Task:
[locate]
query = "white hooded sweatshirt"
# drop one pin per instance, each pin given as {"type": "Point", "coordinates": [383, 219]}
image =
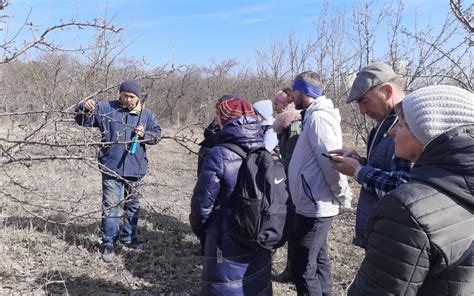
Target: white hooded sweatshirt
{"type": "Point", "coordinates": [317, 190]}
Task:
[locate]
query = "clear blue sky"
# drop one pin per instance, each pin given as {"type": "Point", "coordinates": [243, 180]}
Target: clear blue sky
{"type": "Point", "coordinates": [196, 31]}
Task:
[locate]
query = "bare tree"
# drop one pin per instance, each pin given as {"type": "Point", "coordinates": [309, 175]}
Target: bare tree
{"type": "Point", "coordinates": [368, 17]}
{"type": "Point", "coordinates": [299, 54]}
{"type": "Point", "coordinates": [38, 97]}
{"type": "Point", "coordinates": [377, 31]}
{"type": "Point", "coordinates": [48, 87]}
{"type": "Point", "coordinates": [466, 17]}
{"type": "Point", "coordinates": [40, 41]}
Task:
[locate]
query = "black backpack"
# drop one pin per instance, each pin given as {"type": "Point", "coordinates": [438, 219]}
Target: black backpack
{"type": "Point", "coordinates": [261, 200]}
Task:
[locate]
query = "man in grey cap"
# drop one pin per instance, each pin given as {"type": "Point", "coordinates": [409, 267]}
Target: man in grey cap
{"type": "Point", "coordinates": [376, 89]}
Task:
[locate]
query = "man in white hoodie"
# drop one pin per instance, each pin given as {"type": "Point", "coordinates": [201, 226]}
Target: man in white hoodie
{"type": "Point", "coordinates": [316, 188]}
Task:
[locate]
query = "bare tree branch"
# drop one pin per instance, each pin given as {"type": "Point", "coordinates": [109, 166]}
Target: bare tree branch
{"type": "Point", "coordinates": [465, 17]}
{"type": "Point", "coordinates": [41, 40]}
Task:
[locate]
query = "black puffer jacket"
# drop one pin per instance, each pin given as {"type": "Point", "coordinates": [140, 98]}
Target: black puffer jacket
{"type": "Point", "coordinates": [419, 239]}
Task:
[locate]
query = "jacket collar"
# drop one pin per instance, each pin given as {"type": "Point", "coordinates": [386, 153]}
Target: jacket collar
{"type": "Point", "coordinates": [447, 164]}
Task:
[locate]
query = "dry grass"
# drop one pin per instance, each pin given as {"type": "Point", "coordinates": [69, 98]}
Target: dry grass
{"type": "Point", "coordinates": [40, 257]}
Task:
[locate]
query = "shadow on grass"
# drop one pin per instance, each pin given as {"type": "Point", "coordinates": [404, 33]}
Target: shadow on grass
{"type": "Point", "coordinates": [168, 257]}
{"type": "Point", "coordinates": [74, 234]}
{"type": "Point", "coordinates": [61, 283]}
{"type": "Point", "coordinates": [167, 260]}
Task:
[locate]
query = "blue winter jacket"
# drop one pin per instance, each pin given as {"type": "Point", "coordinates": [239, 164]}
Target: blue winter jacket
{"type": "Point", "coordinates": [117, 124]}
{"type": "Point", "coordinates": [237, 270]}
{"type": "Point", "coordinates": [380, 156]}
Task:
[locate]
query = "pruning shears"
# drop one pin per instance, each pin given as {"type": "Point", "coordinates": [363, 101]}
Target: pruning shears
{"type": "Point", "coordinates": [135, 137]}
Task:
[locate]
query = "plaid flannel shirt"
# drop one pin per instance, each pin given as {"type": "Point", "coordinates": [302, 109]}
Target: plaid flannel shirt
{"type": "Point", "coordinates": [381, 182]}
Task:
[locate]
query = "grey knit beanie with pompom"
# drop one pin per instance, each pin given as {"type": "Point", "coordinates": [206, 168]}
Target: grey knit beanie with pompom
{"type": "Point", "coordinates": [433, 110]}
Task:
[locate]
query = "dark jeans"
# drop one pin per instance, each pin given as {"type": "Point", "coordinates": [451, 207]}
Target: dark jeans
{"type": "Point", "coordinates": [311, 265]}
{"type": "Point", "coordinates": [116, 194]}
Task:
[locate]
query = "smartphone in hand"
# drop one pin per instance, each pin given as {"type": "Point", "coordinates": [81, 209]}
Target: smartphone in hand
{"type": "Point", "coordinates": [327, 155]}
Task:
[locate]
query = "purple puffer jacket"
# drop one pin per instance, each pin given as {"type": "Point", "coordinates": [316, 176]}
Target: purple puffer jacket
{"type": "Point", "coordinates": [239, 271]}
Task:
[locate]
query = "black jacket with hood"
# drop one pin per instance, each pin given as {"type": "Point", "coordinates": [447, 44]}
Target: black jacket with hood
{"type": "Point", "coordinates": [419, 237]}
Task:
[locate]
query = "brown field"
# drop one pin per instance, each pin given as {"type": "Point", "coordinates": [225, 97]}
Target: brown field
{"type": "Point", "coordinates": [41, 256]}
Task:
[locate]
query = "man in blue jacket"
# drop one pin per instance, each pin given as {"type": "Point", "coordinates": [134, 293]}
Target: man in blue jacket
{"type": "Point", "coordinates": [376, 89]}
{"type": "Point", "coordinates": [119, 122]}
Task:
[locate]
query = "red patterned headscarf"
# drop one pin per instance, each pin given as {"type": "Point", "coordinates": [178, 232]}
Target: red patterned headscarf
{"type": "Point", "coordinates": [233, 108]}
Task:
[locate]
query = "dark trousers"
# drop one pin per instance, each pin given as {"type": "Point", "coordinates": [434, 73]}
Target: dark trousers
{"type": "Point", "coordinates": [311, 265]}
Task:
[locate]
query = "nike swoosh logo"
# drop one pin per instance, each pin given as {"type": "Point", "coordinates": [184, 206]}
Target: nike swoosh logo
{"type": "Point", "coordinates": [278, 181]}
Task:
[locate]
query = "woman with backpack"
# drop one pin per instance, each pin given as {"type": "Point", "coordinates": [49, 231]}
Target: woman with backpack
{"type": "Point", "coordinates": [420, 235]}
{"type": "Point", "coordinates": [229, 267]}
{"type": "Point", "coordinates": [211, 138]}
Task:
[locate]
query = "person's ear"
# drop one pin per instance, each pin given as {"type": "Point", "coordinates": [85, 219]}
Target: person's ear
{"type": "Point", "coordinates": [387, 89]}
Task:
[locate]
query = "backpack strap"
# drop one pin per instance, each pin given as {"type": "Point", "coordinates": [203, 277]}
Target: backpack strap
{"type": "Point", "coordinates": [235, 148]}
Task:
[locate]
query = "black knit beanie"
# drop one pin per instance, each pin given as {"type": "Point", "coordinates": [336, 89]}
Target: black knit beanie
{"type": "Point", "coordinates": [130, 86]}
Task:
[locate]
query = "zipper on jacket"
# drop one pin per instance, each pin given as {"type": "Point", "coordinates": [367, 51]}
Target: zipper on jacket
{"type": "Point", "coordinates": [307, 191]}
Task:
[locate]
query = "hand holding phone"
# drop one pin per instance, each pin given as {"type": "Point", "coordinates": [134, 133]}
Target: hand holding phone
{"type": "Point", "coordinates": [327, 155]}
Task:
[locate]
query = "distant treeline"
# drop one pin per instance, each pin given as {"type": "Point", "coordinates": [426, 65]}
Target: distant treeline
{"type": "Point", "coordinates": [57, 79]}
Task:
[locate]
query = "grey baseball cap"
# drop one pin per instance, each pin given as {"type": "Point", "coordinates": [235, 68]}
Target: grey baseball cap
{"type": "Point", "coordinates": [368, 77]}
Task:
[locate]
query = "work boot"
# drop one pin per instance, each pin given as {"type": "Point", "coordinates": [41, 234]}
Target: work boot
{"type": "Point", "coordinates": [108, 254]}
